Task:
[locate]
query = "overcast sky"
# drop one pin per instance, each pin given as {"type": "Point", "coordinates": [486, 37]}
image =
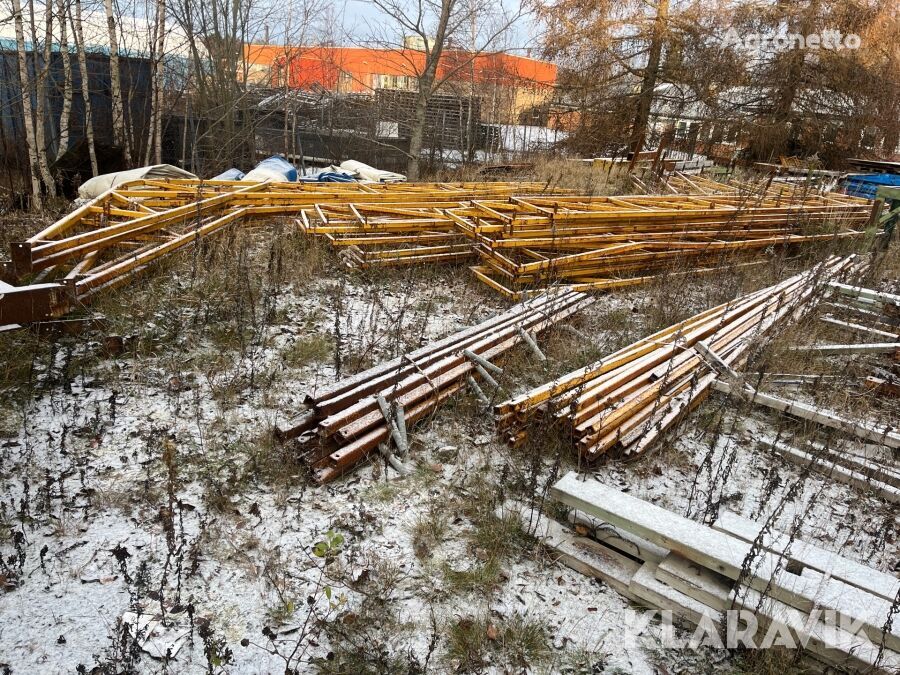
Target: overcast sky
{"type": "Point", "coordinates": [361, 19]}
{"type": "Point", "coordinates": [347, 22]}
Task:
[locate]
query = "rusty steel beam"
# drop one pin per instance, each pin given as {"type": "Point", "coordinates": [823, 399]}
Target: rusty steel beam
{"type": "Point", "coordinates": [30, 304]}
{"type": "Point", "coordinates": [346, 421]}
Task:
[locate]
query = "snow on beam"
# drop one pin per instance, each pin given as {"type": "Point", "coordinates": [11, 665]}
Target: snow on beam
{"type": "Point", "coordinates": [877, 433]}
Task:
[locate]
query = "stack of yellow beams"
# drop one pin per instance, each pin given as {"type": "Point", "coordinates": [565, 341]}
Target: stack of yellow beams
{"type": "Point", "coordinates": [105, 242]}
{"type": "Point", "coordinates": [771, 187]}
{"type": "Point", "coordinates": [379, 235]}
{"type": "Point", "coordinates": [405, 232]}
{"type": "Point", "coordinates": [524, 240]}
{"type": "Point", "coordinates": [586, 243]}
{"type": "Point", "coordinates": [528, 242]}
{"type": "Point", "coordinates": [624, 402]}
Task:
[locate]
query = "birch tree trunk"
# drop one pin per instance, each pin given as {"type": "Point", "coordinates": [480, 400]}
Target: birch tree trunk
{"type": "Point", "coordinates": [118, 111]}
{"type": "Point", "coordinates": [426, 86]}
{"type": "Point", "coordinates": [24, 82]}
{"type": "Point", "coordinates": [41, 78]}
{"type": "Point", "coordinates": [158, 99]}
{"type": "Point", "coordinates": [154, 135]}
{"type": "Point", "coordinates": [148, 148]}
{"type": "Point", "coordinates": [67, 80]}
{"type": "Point", "coordinates": [78, 34]}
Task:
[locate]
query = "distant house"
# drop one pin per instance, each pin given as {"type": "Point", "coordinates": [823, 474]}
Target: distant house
{"type": "Point", "coordinates": [507, 85]}
{"type": "Point", "coordinates": [726, 129]}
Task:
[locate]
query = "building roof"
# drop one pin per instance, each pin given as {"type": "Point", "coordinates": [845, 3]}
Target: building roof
{"type": "Point", "coordinates": [322, 64]}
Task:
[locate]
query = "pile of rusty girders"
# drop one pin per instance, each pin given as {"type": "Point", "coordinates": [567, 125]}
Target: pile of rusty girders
{"type": "Point", "coordinates": [106, 242]}
{"type": "Point", "coordinates": [529, 242]}
{"type": "Point", "coordinates": [624, 402]}
{"type": "Point", "coordinates": [370, 411]}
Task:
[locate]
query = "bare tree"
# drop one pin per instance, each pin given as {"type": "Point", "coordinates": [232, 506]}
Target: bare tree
{"type": "Point", "coordinates": [217, 31]}
{"type": "Point", "coordinates": [824, 100]}
{"type": "Point", "coordinates": [649, 76]}
{"type": "Point", "coordinates": [78, 35]}
{"type": "Point", "coordinates": [121, 135]}
{"type": "Point", "coordinates": [158, 43]}
{"type": "Point", "coordinates": [300, 31]}
{"type": "Point", "coordinates": [766, 99]}
{"type": "Point", "coordinates": [41, 78]}
{"type": "Point", "coordinates": [25, 84]}
{"type": "Point", "coordinates": [63, 21]}
{"type": "Point", "coordinates": [613, 56]}
{"type": "Point", "coordinates": [436, 25]}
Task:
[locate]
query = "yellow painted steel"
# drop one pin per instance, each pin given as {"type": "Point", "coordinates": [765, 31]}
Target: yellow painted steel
{"type": "Point", "coordinates": [521, 237]}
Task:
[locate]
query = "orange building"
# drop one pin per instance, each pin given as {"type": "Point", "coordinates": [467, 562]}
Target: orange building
{"type": "Point", "coordinates": [507, 84]}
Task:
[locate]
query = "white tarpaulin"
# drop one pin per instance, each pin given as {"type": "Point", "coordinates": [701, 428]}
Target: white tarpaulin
{"type": "Point", "coordinates": [276, 169]}
{"type": "Point", "coordinates": [366, 172]}
{"type": "Point", "coordinates": [97, 185]}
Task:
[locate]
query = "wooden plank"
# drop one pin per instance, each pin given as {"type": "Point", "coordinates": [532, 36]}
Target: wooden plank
{"type": "Point", "coordinates": [723, 554]}
{"type": "Point", "coordinates": [810, 555]}
{"type": "Point", "coordinates": [859, 308]}
{"type": "Point", "coordinates": [715, 361]}
{"type": "Point", "coordinates": [877, 433]}
{"type": "Point", "coordinates": [866, 465]}
{"type": "Point", "coordinates": [860, 328]}
{"type": "Point", "coordinates": [864, 311]}
{"type": "Point", "coordinates": [866, 293]}
{"type": "Point", "coordinates": [728, 555]}
{"type": "Point", "coordinates": [874, 348]}
{"type": "Point", "coordinates": [830, 643]}
{"type": "Point", "coordinates": [616, 538]}
{"type": "Point", "coordinates": [796, 380]}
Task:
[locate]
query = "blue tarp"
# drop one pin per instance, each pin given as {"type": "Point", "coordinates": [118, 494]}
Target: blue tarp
{"type": "Point", "coordinates": [866, 184]}
{"type": "Point", "coordinates": [328, 177]}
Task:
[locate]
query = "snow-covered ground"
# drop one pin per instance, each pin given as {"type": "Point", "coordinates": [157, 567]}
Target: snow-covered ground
{"type": "Point", "coordinates": [146, 481]}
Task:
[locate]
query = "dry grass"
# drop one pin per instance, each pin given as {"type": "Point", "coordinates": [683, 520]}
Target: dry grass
{"type": "Point", "coordinates": [205, 311]}
{"type": "Point", "coordinates": [583, 177]}
{"type": "Point", "coordinates": [306, 350]}
{"type": "Point", "coordinates": [18, 225]}
{"type": "Point", "coordinates": [517, 644]}
{"type": "Point", "coordinates": [555, 172]}
{"type": "Point", "coordinates": [430, 529]}
{"type": "Point", "coordinates": [774, 661]}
